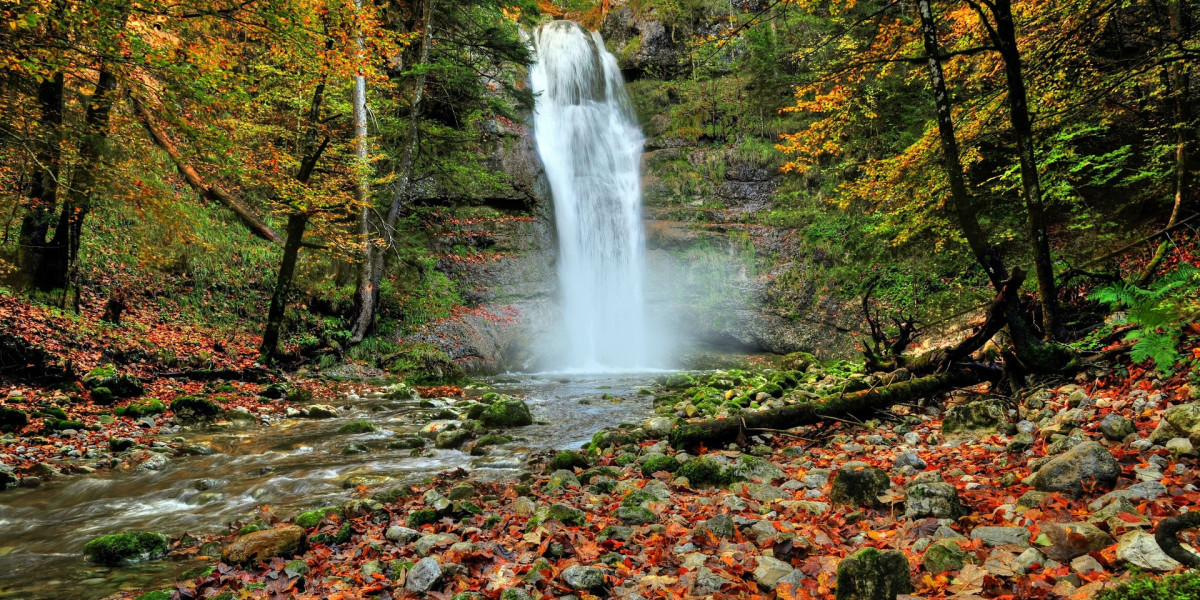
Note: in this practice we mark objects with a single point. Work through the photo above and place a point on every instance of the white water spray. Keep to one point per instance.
(590, 144)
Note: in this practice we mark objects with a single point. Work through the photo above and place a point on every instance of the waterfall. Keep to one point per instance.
(590, 145)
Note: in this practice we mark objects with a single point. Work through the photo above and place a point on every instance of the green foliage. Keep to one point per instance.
(1156, 313)
(1181, 586)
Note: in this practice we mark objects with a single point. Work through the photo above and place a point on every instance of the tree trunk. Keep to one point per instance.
(63, 250)
(717, 433)
(1179, 91)
(985, 253)
(283, 282)
(43, 193)
(374, 254)
(1022, 128)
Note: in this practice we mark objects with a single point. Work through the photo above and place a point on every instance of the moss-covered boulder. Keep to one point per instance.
(944, 555)
(563, 513)
(493, 440)
(313, 518)
(873, 575)
(704, 472)
(194, 408)
(567, 460)
(452, 438)
(507, 411)
(119, 384)
(274, 391)
(12, 419)
(973, 416)
(360, 426)
(141, 408)
(660, 463)
(934, 499)
(125, 547)
(859, 484)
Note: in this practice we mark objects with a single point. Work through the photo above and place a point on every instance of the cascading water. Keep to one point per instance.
(590, 145)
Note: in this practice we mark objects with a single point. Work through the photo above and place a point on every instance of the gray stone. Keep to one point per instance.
(721, 526)
(1146, 490)
(909, 459)
(401, 535)
(583, 578)
(1116, 427)
(859, 484)
(985, 414)
(423, 576)
(707, 582)
(993, 536)
(427, 543)
(770, 570)
(1180, 446)
(1086, 564)
(1138, 548)
(942, 556)
(562, 478)
(938, 500)
(1088, 463)
(1069, 540)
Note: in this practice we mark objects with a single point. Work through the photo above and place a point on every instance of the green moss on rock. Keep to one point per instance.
(195, 408)
(359, 426)
(313, 518)
(660, 463)
(873, 575)
(506, 411)
(567, 460)
(125, 547)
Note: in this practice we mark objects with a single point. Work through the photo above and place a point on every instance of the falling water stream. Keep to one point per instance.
(293, 465)
(590, 145)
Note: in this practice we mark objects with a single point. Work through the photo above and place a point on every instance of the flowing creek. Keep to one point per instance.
(290, 466)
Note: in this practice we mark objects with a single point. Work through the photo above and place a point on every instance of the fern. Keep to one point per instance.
(1156, 312)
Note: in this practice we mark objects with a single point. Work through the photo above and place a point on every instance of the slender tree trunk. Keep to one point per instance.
(296, 224)
(1179, 74)
(43, 193)
(63, 250)
(985, 253)
(374, 253)
(1022, 128)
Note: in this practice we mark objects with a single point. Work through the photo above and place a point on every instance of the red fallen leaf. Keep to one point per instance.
(1128, 518)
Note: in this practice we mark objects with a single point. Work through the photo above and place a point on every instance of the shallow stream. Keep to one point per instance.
(290, 466)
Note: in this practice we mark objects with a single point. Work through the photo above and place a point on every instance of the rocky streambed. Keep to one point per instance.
(322, 456)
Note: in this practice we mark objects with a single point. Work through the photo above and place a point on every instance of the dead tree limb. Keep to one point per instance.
(213, 191)
(1167, 536)
(719, 432)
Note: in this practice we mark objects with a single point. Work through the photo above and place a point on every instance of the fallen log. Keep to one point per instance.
(862, 403)
(1167, 536)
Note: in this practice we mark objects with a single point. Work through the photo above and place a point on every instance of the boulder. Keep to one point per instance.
(720, 526)
(506, 411)
(12, 419)
(984, 414)
(583, 578)
(1088, 464)
(1116, 427)
(1069, 540)
(1138, 548)
(932, 499)
(1001, 536)
(944, 555)
(125, 547)
(423, 575)
(285, 541)
(859, 484)
(873, 575)
(770, 570)
(320, 411)
(194, 408)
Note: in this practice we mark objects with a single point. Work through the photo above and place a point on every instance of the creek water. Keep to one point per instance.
(590, 144)
(292, 465)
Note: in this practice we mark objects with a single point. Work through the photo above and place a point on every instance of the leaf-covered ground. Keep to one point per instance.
(776, 533)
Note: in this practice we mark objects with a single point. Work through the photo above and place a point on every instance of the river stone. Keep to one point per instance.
(426, 543)
(461, 491)
(524, 506)
(320, 411)
(1184, 419)
(908, 459)
(1069, 540)
(763, 492)
(284, 541)
(944, 555)
(1116, 427)
(657, 427)
(506, 411)
(993, 536)
(1145, 490)
(1088, 462)
(361, 507)
(873, 575)
(707, 582)
(562, 478)
(770, 570)
(448, 440)
(125, 547)
(755, 468)
(583, 578)
(934, 499)
(1180, 446)
(1138, 548)
(984, 414)
(721, 526)
(401, 535)
(1109, 515)
(859, 484)
(423, 575)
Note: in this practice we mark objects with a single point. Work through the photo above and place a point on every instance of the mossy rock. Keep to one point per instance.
(355, 427)
(103, 396)
(873, 575)
(660, 463)
(120, 444)
(54, 412)
(859, 484)
(626, 459)
(163, 594)
(274, 391)
(705, 472)
(563, 513)
(493, 440)
(142, 408)
(567, 460)
(341, 536)
(60, 424)
(424, 516)
(257, 525)
(125, 547)
(195, 408)
(119, 385)
(635, 515)
(507, 411)
(678, 380)
(299, 395)
(12, 419)
(452, 438)
(407, 442)
(590, 474)
(942, 556)
(973, 416)
(313, 518)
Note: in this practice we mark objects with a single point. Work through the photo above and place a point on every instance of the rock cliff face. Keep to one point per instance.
(717, 278)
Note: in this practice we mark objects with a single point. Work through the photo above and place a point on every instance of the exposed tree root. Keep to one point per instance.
(1167, 536)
